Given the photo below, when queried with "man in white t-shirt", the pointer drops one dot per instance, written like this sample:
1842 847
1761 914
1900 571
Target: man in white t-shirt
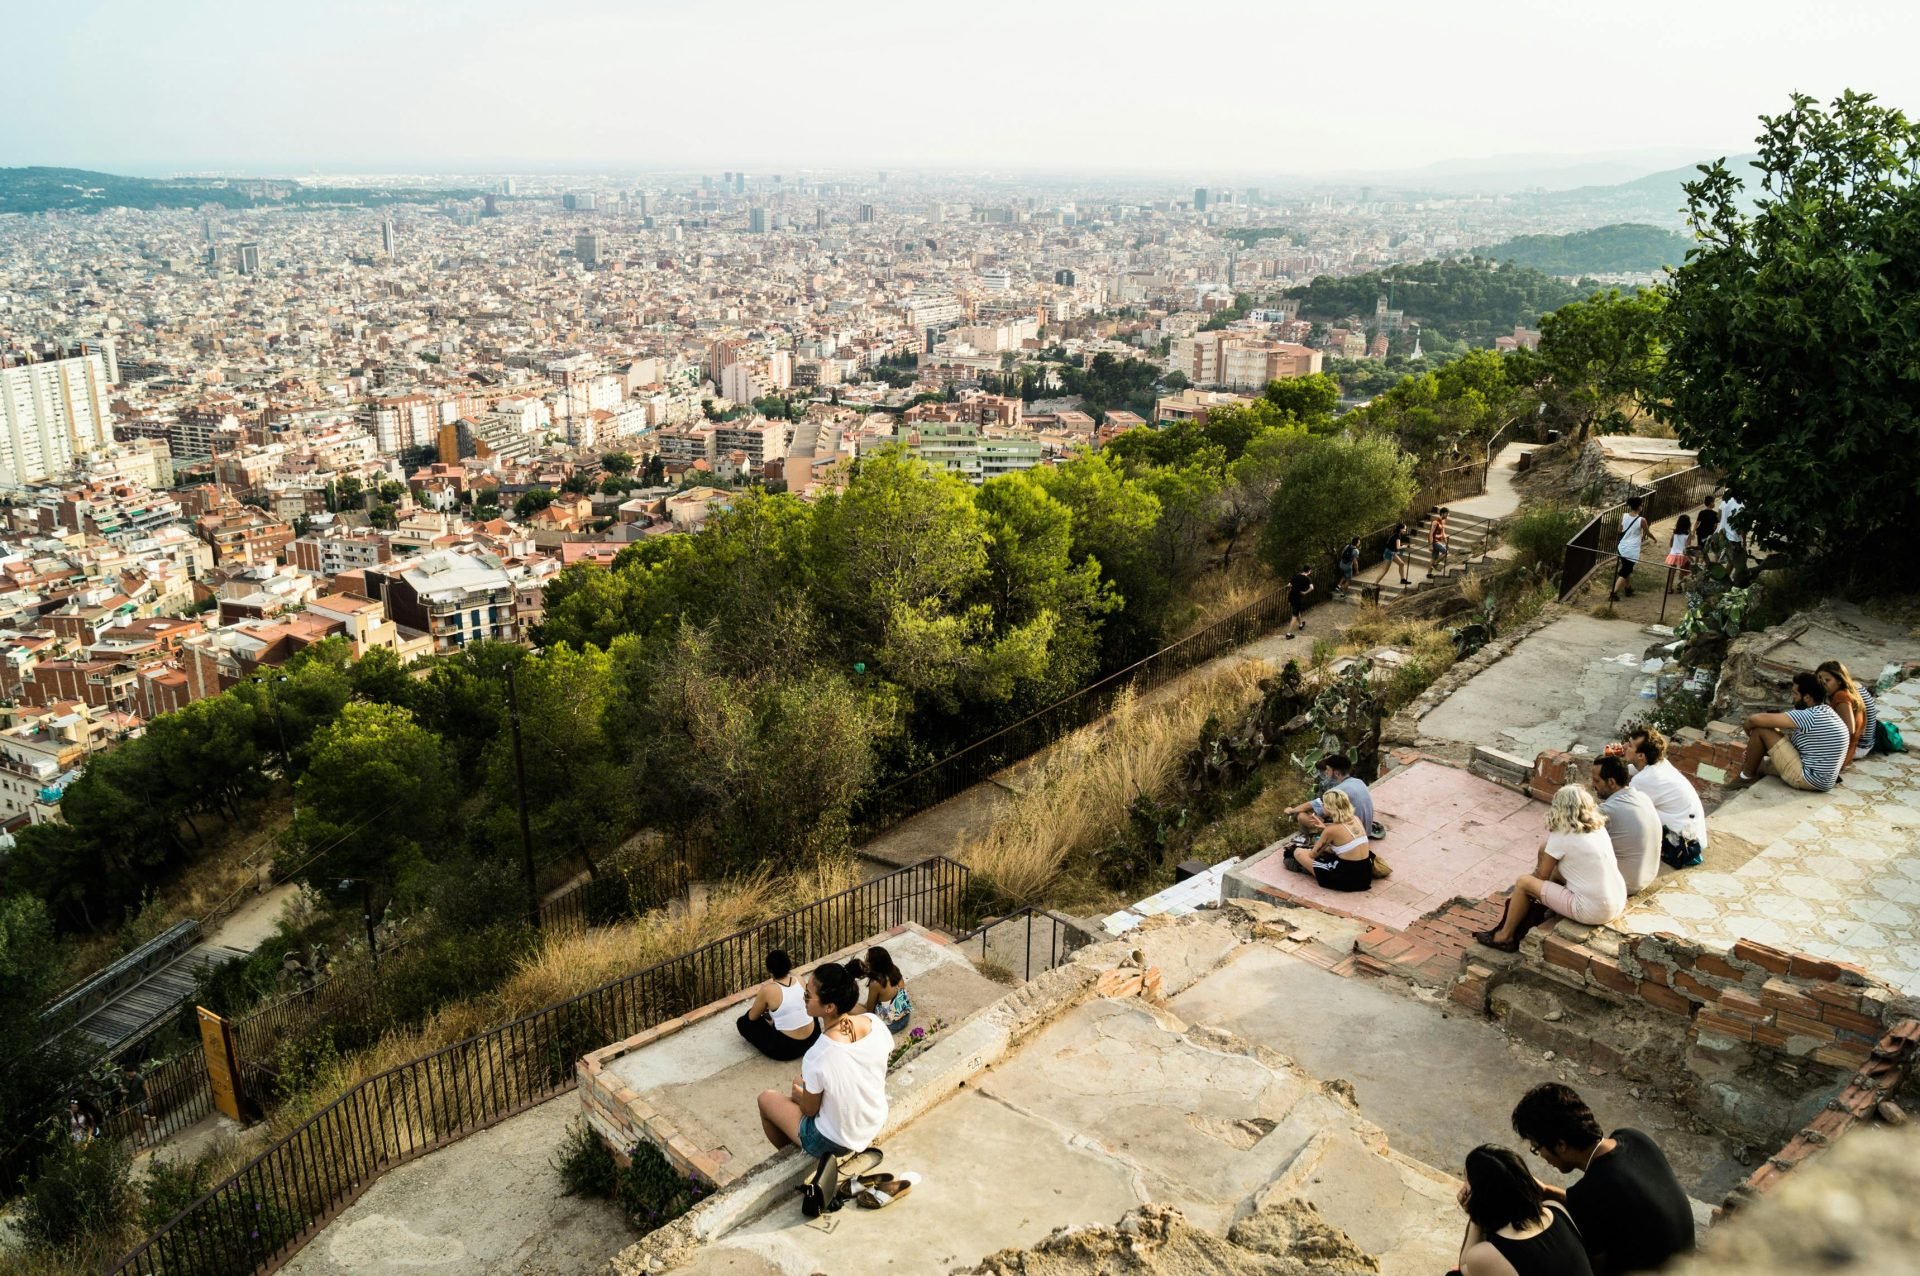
1683 818
838 1103
1633 538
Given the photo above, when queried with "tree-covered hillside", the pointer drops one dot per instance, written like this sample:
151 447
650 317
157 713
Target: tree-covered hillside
40 190
1603 250
1472 300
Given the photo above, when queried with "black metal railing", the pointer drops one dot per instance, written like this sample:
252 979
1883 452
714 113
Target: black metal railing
276 1202
1027 942
174 1094
1597 544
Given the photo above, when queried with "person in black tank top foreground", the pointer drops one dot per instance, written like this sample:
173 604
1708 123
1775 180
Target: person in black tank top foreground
1512 1229
1632 1212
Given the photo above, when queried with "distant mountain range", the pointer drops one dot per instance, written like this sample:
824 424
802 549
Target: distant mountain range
1605 250
40 190
1657 197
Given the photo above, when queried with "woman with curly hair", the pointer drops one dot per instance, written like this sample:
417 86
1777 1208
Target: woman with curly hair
1576 874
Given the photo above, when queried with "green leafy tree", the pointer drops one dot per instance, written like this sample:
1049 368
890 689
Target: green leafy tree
392 492
31 1093
533 501
379 676
384 516
1113 523
1793 332
577 798
1601 359
377 797
617 463
1330 489
763 763
1310 400
577 484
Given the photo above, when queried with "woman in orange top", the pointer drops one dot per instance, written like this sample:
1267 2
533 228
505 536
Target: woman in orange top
1843 697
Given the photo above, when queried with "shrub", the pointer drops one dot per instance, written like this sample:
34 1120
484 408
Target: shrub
586 1166
1408 681
84 1192
1539 537
170 1186
652 1192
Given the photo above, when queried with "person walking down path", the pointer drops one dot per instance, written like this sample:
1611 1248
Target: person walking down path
1633 536
1297 590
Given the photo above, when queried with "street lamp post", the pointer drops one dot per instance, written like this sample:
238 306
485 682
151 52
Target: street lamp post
520 784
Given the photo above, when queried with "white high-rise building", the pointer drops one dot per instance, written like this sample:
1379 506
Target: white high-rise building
50 413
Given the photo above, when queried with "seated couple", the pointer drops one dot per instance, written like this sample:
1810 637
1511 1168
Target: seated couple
780 1025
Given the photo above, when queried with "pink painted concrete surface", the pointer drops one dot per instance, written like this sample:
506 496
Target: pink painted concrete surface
1448 833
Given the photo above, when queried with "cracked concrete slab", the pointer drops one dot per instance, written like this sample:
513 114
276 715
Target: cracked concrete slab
1567 684
1114 1104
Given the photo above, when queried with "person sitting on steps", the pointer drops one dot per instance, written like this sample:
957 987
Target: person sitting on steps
1803 746
1576 876
1633 825
1632 1212
1512 1228
1336 772
838 1104
1341 860
886 989
777 1023
1683 818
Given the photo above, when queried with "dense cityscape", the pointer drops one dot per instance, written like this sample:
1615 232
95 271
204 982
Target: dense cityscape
1300 671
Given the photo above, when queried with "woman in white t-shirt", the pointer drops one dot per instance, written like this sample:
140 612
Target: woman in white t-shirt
838 1103
1576 875
1633 535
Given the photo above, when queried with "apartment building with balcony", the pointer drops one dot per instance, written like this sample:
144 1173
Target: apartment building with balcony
453 598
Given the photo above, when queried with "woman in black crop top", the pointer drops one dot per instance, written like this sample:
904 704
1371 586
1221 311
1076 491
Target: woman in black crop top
1511 1229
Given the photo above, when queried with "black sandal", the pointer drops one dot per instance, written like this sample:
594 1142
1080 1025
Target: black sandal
1486 937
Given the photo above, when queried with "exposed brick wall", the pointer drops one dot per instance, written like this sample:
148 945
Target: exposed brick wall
1883 1073
1800 1006
1709 759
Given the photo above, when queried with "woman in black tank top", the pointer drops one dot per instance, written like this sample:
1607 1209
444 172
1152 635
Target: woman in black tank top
1511 1229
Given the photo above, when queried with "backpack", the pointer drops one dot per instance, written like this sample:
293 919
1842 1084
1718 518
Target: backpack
1887 738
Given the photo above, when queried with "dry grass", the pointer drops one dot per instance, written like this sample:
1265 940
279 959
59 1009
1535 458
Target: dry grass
1424 640
569 963
1217 594
1077 800
1262 821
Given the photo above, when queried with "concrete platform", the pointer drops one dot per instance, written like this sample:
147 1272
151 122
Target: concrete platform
1571 683
1833 875
1449 833
702 1079
1383 1042
1112 1104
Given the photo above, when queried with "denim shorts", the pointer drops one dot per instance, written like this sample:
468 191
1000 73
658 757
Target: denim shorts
816 1144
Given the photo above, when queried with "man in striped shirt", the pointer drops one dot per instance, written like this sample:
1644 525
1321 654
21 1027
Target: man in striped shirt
1803 746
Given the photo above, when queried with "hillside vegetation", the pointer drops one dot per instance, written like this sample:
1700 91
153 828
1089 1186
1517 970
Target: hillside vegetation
1629 246
1471 301
41 190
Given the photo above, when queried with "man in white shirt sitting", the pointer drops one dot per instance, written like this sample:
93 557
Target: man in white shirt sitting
1682 817
838 1103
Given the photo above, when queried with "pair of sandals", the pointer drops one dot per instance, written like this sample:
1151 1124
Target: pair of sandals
877 1191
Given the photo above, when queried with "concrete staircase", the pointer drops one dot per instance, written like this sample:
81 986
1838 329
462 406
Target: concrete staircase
1468 537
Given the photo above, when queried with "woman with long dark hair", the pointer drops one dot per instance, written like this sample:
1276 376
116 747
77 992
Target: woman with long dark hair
886 989
1512 1230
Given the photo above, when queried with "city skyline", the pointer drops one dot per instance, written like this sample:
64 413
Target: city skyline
219 86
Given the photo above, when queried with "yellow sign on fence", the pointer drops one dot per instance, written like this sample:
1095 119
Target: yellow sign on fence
223 1073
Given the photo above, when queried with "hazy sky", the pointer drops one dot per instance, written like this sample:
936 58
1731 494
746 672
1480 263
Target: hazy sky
1207 88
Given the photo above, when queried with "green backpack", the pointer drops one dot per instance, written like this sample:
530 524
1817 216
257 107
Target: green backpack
1887 739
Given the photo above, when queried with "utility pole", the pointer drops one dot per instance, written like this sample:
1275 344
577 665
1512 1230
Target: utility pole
366 912
520 784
